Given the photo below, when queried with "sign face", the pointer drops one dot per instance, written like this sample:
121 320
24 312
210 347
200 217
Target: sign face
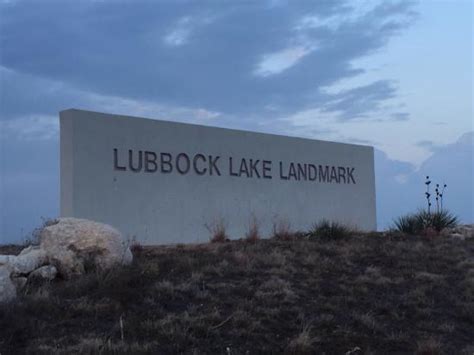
166 182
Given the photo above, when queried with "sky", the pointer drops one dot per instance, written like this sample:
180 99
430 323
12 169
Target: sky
396 75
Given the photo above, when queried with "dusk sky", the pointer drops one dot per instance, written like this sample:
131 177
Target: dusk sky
394 75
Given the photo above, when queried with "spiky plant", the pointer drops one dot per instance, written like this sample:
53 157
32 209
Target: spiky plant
329 230
417 223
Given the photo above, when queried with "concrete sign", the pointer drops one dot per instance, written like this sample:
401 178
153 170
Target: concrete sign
167 182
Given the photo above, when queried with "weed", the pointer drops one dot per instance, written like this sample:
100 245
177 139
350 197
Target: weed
135 246
303 342
217 229
438 220
253 232
423 221
408 224
282 230
329 230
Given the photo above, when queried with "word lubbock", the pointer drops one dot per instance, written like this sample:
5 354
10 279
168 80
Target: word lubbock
151 162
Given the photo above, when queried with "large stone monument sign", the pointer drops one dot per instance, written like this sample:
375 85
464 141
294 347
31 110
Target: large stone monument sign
167 182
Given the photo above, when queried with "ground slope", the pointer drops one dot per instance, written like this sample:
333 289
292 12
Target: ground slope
365 294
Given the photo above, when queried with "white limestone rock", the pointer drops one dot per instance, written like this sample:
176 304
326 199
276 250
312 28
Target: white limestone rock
47 272
19 282
7 259
74 244
7 288
29 259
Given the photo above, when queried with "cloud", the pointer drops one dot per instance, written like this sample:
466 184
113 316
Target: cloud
180 34
275 63
238 59
453 164
429 145
36 127
400 116
361 101
38 112
400 187
233 64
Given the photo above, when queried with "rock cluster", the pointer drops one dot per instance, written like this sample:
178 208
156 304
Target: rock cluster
464 231
68 247
14 270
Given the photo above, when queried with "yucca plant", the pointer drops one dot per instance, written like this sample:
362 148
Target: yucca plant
424 220
329 230
438 220
408 224
417 223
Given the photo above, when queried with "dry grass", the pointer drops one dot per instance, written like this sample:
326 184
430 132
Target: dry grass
282 230
360 294
303 342
253 232
217 230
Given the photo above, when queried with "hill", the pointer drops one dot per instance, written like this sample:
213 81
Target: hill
364 294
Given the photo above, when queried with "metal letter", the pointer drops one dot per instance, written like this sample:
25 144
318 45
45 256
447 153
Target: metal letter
130 161
116 166
203 158
150 159
166 162
349 175
186 159
253 167
267 168
323 174
213 165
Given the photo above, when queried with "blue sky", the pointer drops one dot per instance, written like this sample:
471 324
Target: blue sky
395 75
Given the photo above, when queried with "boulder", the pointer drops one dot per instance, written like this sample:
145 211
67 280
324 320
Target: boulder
47 272
19 282
7 288
29 259
74 245
7 259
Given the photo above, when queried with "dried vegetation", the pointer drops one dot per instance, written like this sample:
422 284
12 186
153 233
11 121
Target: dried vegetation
358 294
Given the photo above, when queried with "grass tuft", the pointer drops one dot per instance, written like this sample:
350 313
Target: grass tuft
218 231
330 230
303 342
424 222
253 232
282 230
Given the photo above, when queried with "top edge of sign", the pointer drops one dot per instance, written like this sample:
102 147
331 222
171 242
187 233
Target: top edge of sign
177 123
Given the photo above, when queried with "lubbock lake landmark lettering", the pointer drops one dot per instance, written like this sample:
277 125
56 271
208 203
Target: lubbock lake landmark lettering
200 164
162 182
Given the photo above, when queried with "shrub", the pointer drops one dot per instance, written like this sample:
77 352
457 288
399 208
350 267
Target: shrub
218 232
439 220
422 221
253 232
408 224
330 230
282 230
135 246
